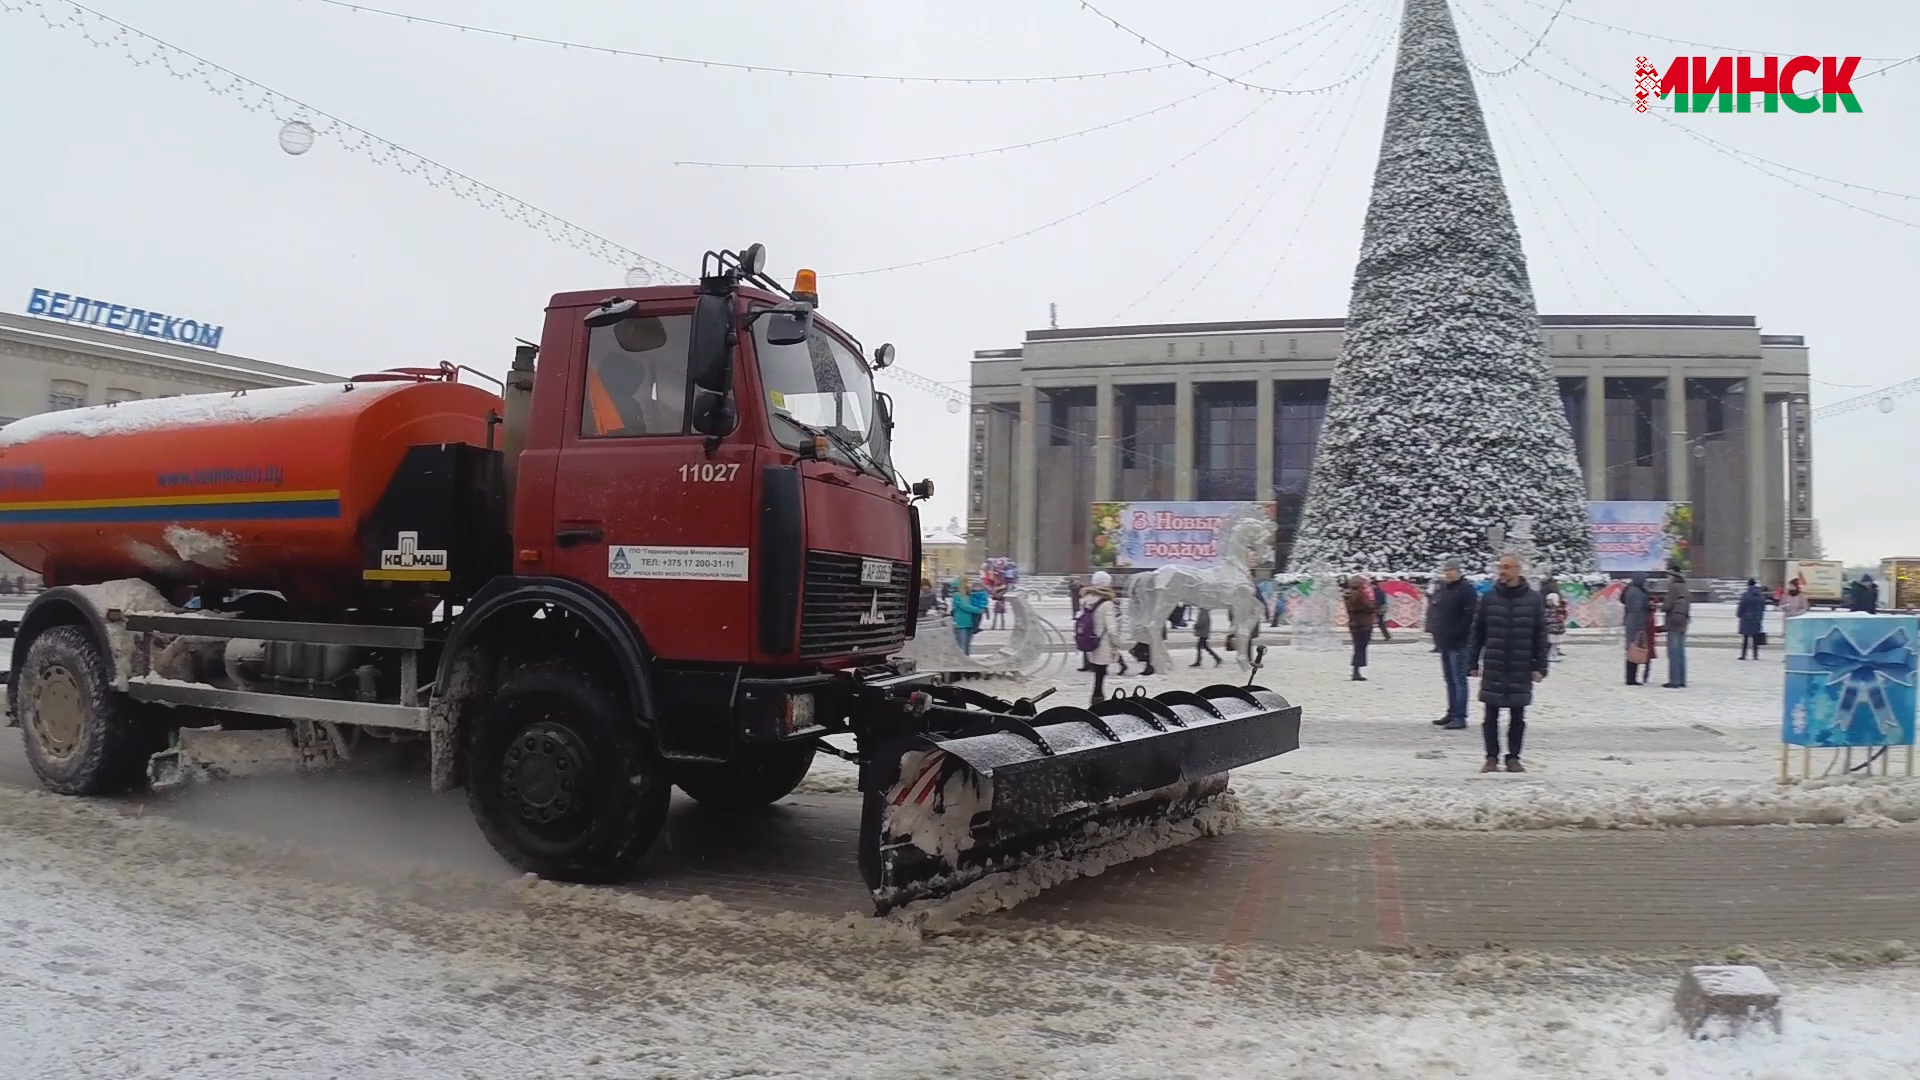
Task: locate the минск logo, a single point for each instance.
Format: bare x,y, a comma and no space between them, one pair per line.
1697,83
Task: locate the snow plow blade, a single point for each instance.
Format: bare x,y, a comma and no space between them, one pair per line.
1003,790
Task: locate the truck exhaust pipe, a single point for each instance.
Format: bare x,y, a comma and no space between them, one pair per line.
516,397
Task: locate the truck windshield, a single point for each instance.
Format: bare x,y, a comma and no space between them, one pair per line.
822,384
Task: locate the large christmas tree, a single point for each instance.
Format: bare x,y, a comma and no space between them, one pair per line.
1444,418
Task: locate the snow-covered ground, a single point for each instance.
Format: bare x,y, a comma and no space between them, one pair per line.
1599,753
138,947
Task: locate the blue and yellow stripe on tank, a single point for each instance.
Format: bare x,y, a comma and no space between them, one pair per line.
243,506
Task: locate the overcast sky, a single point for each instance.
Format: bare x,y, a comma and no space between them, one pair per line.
123,182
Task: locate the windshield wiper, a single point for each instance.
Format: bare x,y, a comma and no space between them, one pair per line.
855,454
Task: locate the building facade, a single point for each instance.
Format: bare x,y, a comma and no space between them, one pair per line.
1683,408
47,365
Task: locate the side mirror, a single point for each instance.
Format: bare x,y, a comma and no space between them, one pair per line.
883,357
710,346
789,326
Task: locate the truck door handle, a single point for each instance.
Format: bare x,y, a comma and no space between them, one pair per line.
570,537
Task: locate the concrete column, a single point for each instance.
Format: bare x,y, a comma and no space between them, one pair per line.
1026,475
1679,454
1596,421
1183,438
1263,434
1775,498
1757,471
1105,449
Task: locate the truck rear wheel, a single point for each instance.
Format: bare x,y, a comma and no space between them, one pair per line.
750,783
81,736
561,780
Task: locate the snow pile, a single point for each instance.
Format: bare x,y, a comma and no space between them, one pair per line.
1443,417
146,414
213,551
124,595
1105,846
1498,805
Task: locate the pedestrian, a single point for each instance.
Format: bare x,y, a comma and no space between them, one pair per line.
1509,656
927,598
1865,596
1380,611
1360,610
969,604
1638,624
1178,620
946,594
1752,611
1679,616
1202,627
1450,618
1095,631
1556,605
1794,602
1000,608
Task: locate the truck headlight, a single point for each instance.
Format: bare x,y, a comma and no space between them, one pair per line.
796,713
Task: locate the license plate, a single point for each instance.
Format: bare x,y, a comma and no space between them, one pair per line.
876,572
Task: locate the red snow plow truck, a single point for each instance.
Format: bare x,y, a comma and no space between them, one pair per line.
673,551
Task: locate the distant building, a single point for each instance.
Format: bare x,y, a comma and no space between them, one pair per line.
943,553
47,365
1659,406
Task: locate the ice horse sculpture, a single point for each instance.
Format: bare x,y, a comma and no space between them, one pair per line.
1152,596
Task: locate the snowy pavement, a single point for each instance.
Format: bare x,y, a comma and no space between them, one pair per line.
1384,910
138,946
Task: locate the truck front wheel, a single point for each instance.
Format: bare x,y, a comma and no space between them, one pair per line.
561,780
764,778
82,737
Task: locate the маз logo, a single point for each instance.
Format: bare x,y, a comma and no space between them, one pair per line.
1697,84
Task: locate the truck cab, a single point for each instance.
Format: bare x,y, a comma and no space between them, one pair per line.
714,459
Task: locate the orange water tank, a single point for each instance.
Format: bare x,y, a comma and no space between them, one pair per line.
262,489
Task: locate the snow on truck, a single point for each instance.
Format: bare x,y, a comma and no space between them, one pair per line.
672,551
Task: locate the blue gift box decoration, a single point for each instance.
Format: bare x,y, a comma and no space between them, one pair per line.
1850,680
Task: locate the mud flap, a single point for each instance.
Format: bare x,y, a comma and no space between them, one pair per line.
212,753
941,813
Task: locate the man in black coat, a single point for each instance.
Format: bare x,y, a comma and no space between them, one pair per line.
1451,622
1509,656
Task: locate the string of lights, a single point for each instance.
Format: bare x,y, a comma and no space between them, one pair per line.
1293,151
771,69
145,50
1573,226
1882,398
1032,143
1600,203
1525,188
1306,208
1091,207
1537,42
1616,99
1290,157
1194,62
1064,218
1750,160
1681,41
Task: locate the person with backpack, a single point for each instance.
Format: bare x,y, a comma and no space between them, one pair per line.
1202,629
1380,611
1096,631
